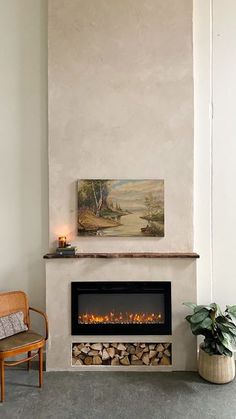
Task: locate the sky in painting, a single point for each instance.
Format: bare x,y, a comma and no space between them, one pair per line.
130,194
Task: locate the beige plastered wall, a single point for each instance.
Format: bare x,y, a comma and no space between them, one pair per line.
121,106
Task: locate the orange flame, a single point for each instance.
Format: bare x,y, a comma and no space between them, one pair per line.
125,318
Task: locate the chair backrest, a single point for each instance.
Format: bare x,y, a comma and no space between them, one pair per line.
13,301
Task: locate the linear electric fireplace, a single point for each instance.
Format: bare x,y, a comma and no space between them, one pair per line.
121,308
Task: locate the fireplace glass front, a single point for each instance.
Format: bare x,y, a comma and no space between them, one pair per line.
121,308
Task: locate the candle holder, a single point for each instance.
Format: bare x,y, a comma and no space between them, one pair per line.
62,241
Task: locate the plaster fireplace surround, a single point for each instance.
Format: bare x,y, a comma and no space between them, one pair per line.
121,107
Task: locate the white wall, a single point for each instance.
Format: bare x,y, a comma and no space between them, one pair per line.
23,134
202,147
215,149
224,151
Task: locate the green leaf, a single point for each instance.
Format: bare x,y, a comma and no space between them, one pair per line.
188,318
227,352
196,329
232,317
231,309
199,316
220,348
223,328
206,324
201,307
227,327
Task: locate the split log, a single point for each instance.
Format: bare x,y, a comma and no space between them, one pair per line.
80,346
76,351
79,362
155,361
131,349
152,346
160,348
142,345
115,361
111,352
152,354
146,359
166,345
114,345
97,360
85,350
139,354
125,361
124,353
165,360
134,358
106,345
105,355
138,349
93,353
121,347
167,352
88,360
96,346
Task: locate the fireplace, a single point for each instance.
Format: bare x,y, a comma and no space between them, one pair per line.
121,308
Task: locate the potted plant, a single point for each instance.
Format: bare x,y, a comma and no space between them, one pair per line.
216,361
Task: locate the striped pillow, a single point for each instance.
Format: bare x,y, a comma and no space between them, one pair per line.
12,324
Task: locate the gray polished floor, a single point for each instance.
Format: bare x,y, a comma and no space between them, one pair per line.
119,395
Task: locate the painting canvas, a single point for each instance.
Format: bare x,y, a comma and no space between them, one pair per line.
121,208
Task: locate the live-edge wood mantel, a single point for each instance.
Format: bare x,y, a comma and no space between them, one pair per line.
151,255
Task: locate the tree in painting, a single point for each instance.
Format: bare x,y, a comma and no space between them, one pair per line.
93,194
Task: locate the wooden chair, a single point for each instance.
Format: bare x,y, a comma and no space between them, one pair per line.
24,342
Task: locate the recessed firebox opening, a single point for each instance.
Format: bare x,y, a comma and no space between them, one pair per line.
121,308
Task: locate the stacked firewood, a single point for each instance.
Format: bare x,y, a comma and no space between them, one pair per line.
149,354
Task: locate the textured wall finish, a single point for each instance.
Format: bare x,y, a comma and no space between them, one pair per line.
60,274
121,106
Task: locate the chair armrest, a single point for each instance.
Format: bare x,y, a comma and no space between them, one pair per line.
45,319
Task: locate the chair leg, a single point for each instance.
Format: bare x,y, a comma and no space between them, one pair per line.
40,367
29,362
2,380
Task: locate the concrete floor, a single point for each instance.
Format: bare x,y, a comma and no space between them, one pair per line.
117,395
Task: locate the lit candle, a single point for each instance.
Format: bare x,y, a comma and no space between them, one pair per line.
62,241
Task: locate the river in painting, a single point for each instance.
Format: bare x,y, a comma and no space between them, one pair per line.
131,225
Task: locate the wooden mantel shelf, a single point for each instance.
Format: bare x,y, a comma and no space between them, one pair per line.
177,255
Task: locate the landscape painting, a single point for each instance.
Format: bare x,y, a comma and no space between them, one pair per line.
121,208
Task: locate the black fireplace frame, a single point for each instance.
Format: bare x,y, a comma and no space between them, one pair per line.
120,287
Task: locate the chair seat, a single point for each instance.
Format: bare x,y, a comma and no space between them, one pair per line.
19,340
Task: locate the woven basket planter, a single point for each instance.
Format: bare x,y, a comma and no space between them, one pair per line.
219,369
